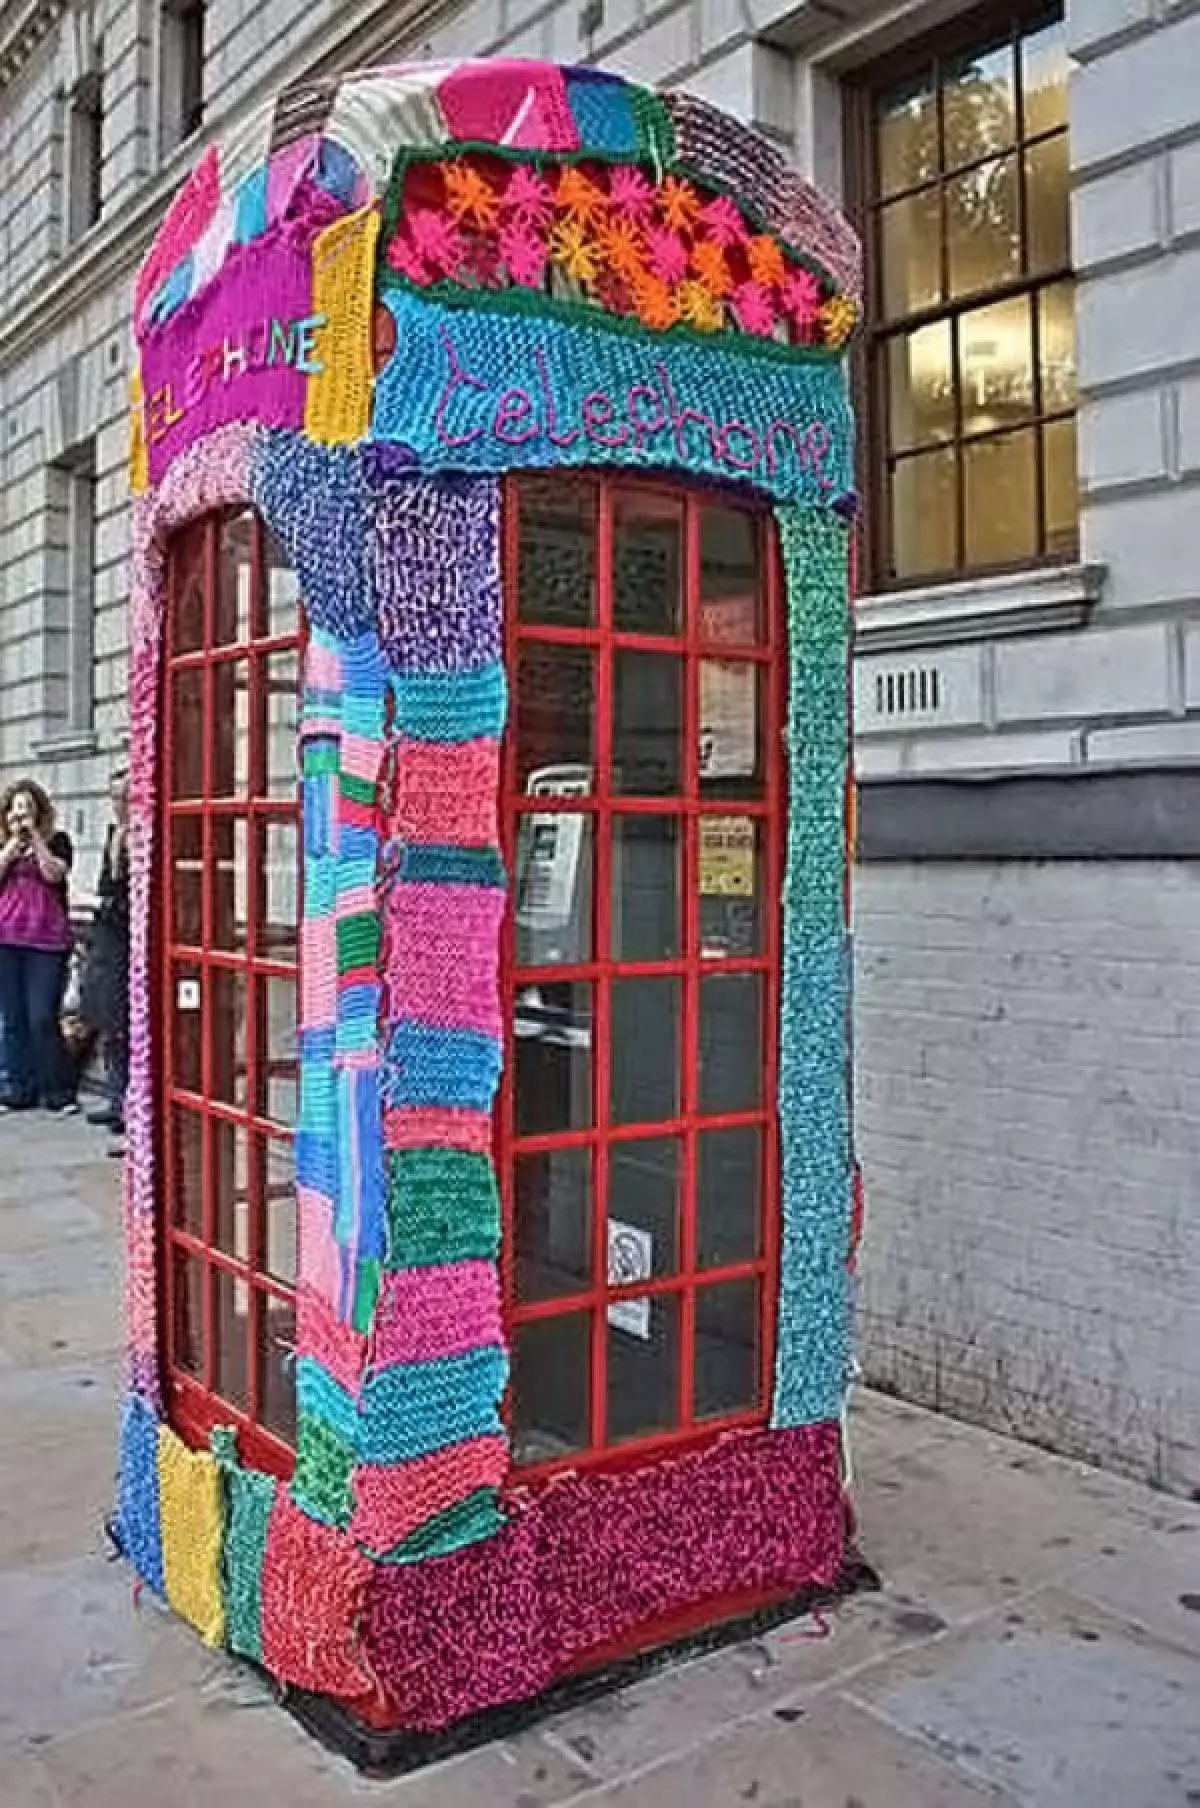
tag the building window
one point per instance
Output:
(229, 903)
(643, 819)
(85, 153)
(73, 547)
(180, 72)
(959, 173)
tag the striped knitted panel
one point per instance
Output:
(393, 1501)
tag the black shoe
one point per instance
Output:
(105, 1119)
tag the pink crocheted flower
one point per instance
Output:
(436, 239)
(668, 254)
(801, 296)
(524, 254)
(528, 198)
(631, 194)
(402, 256)
(755, 309)
(724, 221)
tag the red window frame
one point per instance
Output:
(211, 645)
(604, 807)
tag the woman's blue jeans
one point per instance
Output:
(36, 1067)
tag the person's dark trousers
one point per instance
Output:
(36, 1063)
(116, 1075)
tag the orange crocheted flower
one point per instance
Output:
(655, 303)
(575, 253)
(838, 319)
(711, 267)
(679, 204)
(470, 196)
(581, 199)
(624, 247)
(700, 308)
(766, 260)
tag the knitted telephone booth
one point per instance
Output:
(370, 325)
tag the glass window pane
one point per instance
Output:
(727, 1366)
(230, 728)
(227, 1032)
(1062, 488)
(277, 1366)
(555, 704)
(731, 589)
(235, 577)
(1000, 483)
(231, 1332)
(556, 573)
(643, 1209)
(647, 724)
(732, 875)
(278, 1051)
(187, 733)
(647, 854)
(187, 879)
(910, 254)
(647, 576)
(186, 1026)
(643, 1366)
(187, 1184)
(983, 227)
(230, 1182)
(281, 591)
(553, 889)
(978, 105)
(1048, 205)
(187, 1306)
(995, 351)
(187, 559)
(923, 506)
(230, 878)
(279, 864)
(644, 1050)
(279, 1180)
(553, 1193)
(907, 134)
(731, 723)
(280, 676)
(1056, 347)
(552, 1367)
(1044, 70)
(920, 377)
(552, 1027)
(731, 1042)
(728, 1195)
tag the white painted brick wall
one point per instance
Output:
(1028, 1090)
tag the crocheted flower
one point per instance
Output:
(581, 199)
(766, 260)
(655, 303)
(711, 268)
(528, 198)
(754, 306)
(524, 254)
(668, 254)
(679, 204)
(801, 297)
(624, 247)
(402, 255)
(724, 222)
(631, 194)
(574, 252)
(436, 239)
(699, 307)
(838, 319)
(470, 196)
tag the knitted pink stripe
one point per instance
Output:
(447, 793)
(320, 1334)
(319, 1265)
(392, 1501)
(188, 215)
(323, 667)
(438, 1127)
(439, 1311)
(328, 726)
(318, 971)
(441, 955)
(360, 757)
(284, 172)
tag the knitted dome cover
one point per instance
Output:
(385, 292)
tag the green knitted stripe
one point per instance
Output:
(324, 1466)
(357, 942)
(366, 1293)
(320, 759)
(443, 1206)
(466, 1522)
(358, 790)
(655, 128)
(250, 1498)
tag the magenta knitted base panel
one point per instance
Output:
(591, 1558)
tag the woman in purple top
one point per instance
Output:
(35, 944)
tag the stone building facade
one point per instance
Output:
(1028, 678)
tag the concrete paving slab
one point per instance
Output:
(1156, 1585)
(58, 1215)
(61, 1327)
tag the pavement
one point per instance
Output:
(1036, 1642)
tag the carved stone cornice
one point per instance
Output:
(22, 29)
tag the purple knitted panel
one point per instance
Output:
(433, 561)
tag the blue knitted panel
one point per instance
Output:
(602, 108)
(418, 1407)
(139, 1527)
(425, 1065)
(452, 707)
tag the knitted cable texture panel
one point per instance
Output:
(192, 1509)
(250, 1500)
(589, 1559)
(316, 500)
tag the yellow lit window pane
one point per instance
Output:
(995, 365)
(1062, 489)
(910, 255)
(923, 515)
(978, 106)
(983, 233)
(906, 135)
(1044, 70)
(920, 388)
(1047, 205)
(1056, 347)
(1000, 489)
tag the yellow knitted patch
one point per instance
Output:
(193, 1524)
(338, 406)
(139, 464)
